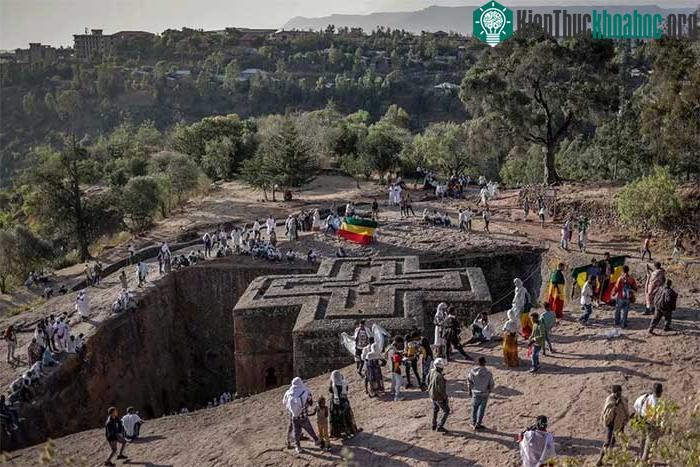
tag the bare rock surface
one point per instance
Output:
(570, 390)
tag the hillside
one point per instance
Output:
(450, 19)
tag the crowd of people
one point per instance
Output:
(51, 342)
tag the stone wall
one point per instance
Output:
(313, 310)
(176, 349)
(500, 268)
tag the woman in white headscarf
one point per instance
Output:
(439, 321)
(296, 401)
(342, 420)
(518, 305)
(372, 355)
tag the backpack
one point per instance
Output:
(627, 291)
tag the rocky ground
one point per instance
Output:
(249, 431)
(570, 390)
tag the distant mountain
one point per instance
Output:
(457, 19)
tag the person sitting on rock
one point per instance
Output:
(47, 359)
(132, 424)
(482, 330)
(311, 256)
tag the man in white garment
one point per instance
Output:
(132, 424)
(537, 445)
(236, 239)
(644, 407)
(256, 230)
(397, 194)
(270, 224)
(82, 305)
(439, 321)
(141, 272)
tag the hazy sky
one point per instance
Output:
(55, 21)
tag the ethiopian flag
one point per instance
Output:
(556, 294)
(581, 273)
(358, 230)
(616, 264)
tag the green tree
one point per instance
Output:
(140, 199)
(289, 159)
(649, 202)
(61, 201)
(396, 116)
(30, 104)
(540, 88)
(231, 75)
(69, 104)
(256, 172)
(444, 146)
(382, 147)
(181, 175)
(219, 157)
(193, 139)
(108, 81)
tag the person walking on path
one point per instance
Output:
(645, 409)
(486, 215)
(665, 304)
(297, 401)
(556, 292)
(537, 342)
(479, 385)
(114, 433)
(451, 333)
(615, 415)
(655, 279)
(548, 319)
(624, 295)
(646, 247)
(586, 300)
(437, 390)
(10, 337)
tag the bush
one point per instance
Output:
(649, 202)
(140, 200)
(523, 168)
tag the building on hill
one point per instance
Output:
(90, 46)
(125, 36)
(37, 54)
(96, 44)
(286, 36)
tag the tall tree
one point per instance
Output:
(291, 163)
(540, 88)
(61, 200)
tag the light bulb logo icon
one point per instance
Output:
(493, 23)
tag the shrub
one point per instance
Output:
(648, 202)
(140, 200)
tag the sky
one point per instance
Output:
(55, 21)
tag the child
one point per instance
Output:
(322, 422)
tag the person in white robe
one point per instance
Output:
(270, 224)
(439, 321)
(537, 445)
